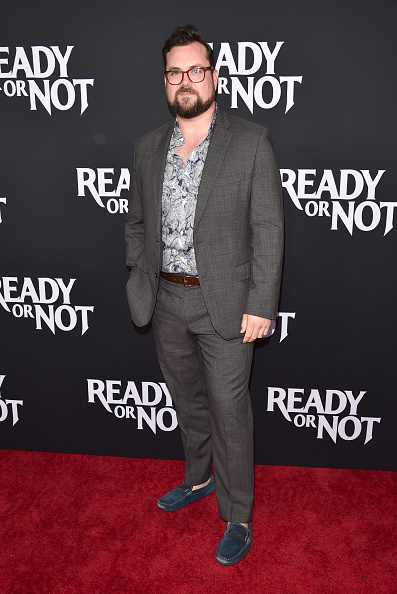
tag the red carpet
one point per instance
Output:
(74, 524)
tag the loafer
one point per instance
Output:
(183, 495)
(235, 544)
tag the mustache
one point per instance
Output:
(186, 90)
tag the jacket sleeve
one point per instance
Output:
(267, 232)
(134, 229)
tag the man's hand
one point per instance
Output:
(254, 327)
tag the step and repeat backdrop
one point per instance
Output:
(79, 81)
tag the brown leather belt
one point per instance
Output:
(188, 281)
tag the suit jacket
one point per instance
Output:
(238, 228)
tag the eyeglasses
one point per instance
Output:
(195, 75)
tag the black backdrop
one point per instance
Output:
(75, 375)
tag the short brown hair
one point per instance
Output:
(185, 35)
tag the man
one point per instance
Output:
(204, 236)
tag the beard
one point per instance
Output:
(187, 109)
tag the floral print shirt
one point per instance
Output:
(180, 188)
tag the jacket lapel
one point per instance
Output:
(221, 136)
(156, 173)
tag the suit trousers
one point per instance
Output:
(208, 380)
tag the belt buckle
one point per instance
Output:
(187, 282)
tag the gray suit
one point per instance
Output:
(238, 242)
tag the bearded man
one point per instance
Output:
(204, 235)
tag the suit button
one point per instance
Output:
(155, 275)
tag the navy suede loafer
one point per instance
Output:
(182, 495)
(235, 544)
